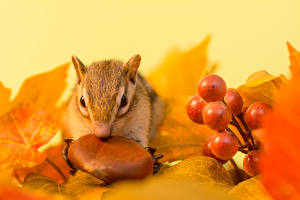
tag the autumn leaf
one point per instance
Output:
(158, 188)
(81, 186)
(42, 90)
(84, 186)
(15, 193)
(280, 158)
(261, 87)
(178, 136)
(250, 189)
(200, 169)
(41, 184)
(10, 189)
(295, 60)
(29, 124)
(175, 80)
(23, 130)
(54, 167)
(180, 72)
(4, 97)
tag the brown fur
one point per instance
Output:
(103, 81)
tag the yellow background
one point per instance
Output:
(37, 35)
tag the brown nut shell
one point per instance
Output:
(116, 158)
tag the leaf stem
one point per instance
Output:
(56, 168)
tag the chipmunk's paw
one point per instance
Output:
(156, 165)
(65, 156)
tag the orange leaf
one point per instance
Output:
(280, 159)
(294, 59)
(47, 168)
(15, 193)
(4, 98)
(23, 130)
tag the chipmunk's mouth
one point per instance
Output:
(102, 130)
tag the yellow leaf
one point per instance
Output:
(42, 184)
(181, 71)
(41, 90)
(179, 137)
(10, 189)
(175, 80)
(250, 189)
(84, 186)
(261, 87)
(162, 189)
(44, 89)
(200, 169)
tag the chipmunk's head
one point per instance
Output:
(105, 91)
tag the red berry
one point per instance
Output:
(224, 145)
(207, 151)
(250, 163)
(216, 115)
(212, 88)
(194, 109)
(255, 113)
(234, 101)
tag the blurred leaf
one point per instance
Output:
(23, 130)
(175, 80)
(200, 169)
(47, 168)
(42, 90)
(9, 189)
(84, 186)
(15, 193)
(280, 161)
(295, 60)
(250, 189)
(4, 98)
(41, 184)
(261, 87)
(180, 72)
(178, 136)
(162, 189)
(281, 145)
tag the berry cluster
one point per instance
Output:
(218, 107)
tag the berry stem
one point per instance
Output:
(243, 150)
(237, 170)
(248, 131)
(232, 133)
(241, 118)
(237, 125)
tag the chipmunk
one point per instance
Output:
(111, 98)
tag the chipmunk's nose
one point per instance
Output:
(102, 130)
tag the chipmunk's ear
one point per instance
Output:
(79, 67)
(132, 66)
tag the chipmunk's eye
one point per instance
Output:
(123, 101)
(82, 102)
